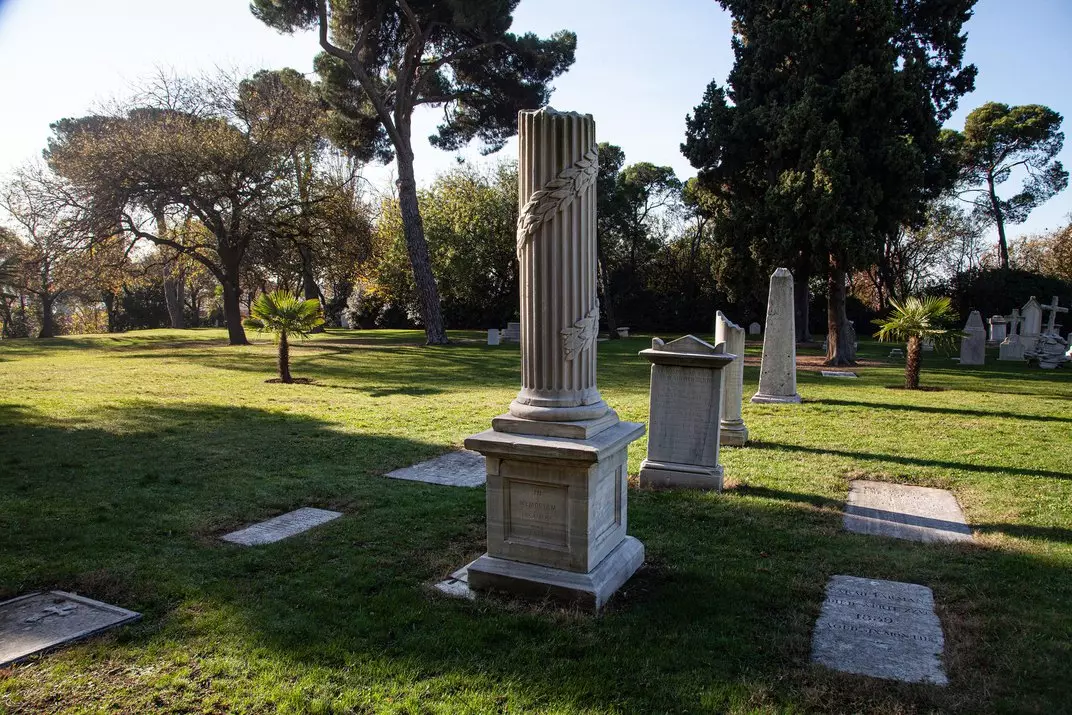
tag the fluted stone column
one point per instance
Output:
(556, 250)
(733, 431)
(556, 462)
(778, 366)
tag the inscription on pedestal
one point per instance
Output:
(683, 421)
(538, 515)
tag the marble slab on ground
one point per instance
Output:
(282, 526)
(457, 584)
(463, 468)
(838, 373)
(39, 621)
(884, 629)
(904, 512)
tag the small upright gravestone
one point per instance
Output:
(686, 399)
(778, 365)
(493, 336)
(754, 329)
(732, 430)
(997, 328)
(1032, 325)
(973, 344)
(1011, 349)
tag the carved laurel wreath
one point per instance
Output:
(555, 195)
(582, 335)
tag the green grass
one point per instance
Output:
(123, 458)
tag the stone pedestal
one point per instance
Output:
(556, 463)
(732, 430)
(686, 399)
(973, 344)
(778, 366)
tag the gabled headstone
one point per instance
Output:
(686, 399)
(1032, 325)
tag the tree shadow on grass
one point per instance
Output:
(914, 461)
(930, 409)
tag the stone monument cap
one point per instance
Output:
(688, 351)
(548, 109)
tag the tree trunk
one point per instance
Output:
(417, 247)
(108, 298)
(232, 313)
(913, 362)
(999, 219)
(47, 324)
(284, 359)
(174, 300)
(309, 286)
(839, 351)
(801, 296)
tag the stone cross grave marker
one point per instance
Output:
(40, 621)
(1011, 349)
(281, 527)
(1054, 308)
(901, 511)
(884, 629)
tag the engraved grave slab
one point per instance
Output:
(884, 629)
(279, 528)
(38, 621)
(904, 512)
(838, 373)
(463, 468)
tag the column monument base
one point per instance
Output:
(733, 435)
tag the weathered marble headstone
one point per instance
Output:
(901, 511)
(39, 621)
(973, 344)
(1011, 348)
(1031, 328)
(997, 328)
(778, 365)
(884, 629)
(754, 329)
(556, 463)
(683, 427)
(462, 468)
(493, 336)
(281, 527)
(732, 430)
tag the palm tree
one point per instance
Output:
(913, 321)
(285, 314)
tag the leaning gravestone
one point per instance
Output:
(732, 430)
(39, 621)
(884, 629)
(778, 365)
(973, 344)
(686, 400)
(1032, 325)
(901, 511)
(556, 463)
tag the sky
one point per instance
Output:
(641, 67)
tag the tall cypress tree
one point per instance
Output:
(827, 135)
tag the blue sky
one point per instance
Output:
(641, 66)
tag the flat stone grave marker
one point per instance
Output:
(463, 468)
(904, 512)
(39, 621)
(885, 629)
(838, 373)
(457, 584)
(279, 528)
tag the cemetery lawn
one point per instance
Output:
(124, 458)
